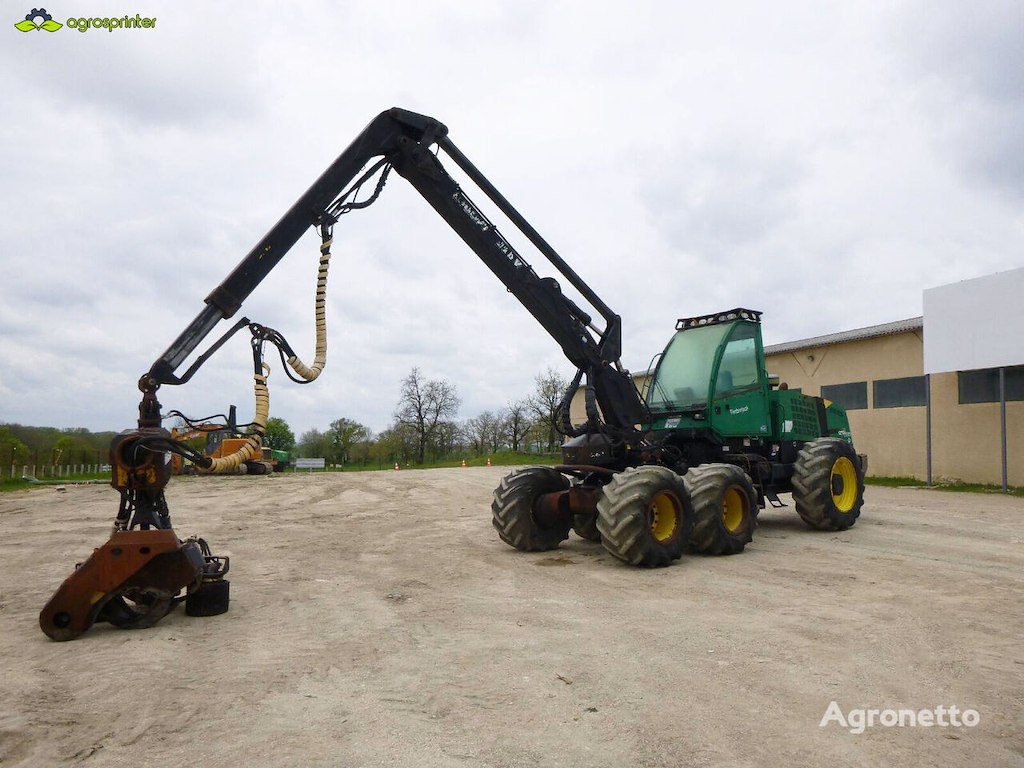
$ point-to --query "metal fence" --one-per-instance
(18, 471)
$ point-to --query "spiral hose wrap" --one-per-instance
(320, 356)
(253, 446)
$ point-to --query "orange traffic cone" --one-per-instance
(396, 466)
(488, 461)
(463, 462)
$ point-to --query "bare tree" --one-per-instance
(544, 405)
(423, 406)
(486, 431)
(476, 430)
(445, 438)
(517, 423)
(499, 431)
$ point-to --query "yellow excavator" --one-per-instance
(219, 442)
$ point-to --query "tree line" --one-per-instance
(49, 446)
(426, 427)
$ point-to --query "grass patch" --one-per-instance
(903, 482)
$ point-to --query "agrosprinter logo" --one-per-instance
(38, 18)
(29, 24)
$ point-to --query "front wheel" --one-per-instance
(645, 516)
(724, 507)
(828, 484)
(513, 509)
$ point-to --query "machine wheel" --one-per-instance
(645, 516)
(512, 509)
(211, 599)
(724, 508)
(828, 484)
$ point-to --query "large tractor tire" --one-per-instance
(828, 484)
(512, 509)
(724, 508)
(645, 516)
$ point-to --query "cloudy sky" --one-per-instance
(823, 163)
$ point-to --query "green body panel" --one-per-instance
(713, 379)
(741, 415)
(795, 417)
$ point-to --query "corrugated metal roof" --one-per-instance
(872, 331)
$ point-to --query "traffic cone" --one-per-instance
(488, 461)
(396, 466)
(463, 462)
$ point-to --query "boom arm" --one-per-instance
(135, 579)
(405, 140)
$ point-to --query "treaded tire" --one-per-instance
(724, 508)
(211, 599)
(828, 484)
(645, 517)
(512, 509)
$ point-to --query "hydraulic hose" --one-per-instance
(252, 449)
(253, 446)
(309, 373)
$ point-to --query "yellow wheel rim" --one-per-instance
(734, 509)
(664, 515)
(843, 482)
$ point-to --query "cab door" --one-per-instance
(738, 399)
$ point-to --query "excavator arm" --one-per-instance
(406, 141)
(136, 577)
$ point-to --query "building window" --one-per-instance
(899, 393)
(982, 386)
(852, 397)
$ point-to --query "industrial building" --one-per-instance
(877, 374)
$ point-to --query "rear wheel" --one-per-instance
(645, 517)
(513, 509)
(828, 484)
(724, 508)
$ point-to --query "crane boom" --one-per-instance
(406, 141)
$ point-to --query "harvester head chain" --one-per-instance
(131, 581)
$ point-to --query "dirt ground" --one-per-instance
(377, 619)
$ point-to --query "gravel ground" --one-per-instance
(377, 619)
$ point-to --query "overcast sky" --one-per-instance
(821, 162)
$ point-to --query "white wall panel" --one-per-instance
(975, 323)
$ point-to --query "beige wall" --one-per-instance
(893, 438)
(965, 438)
